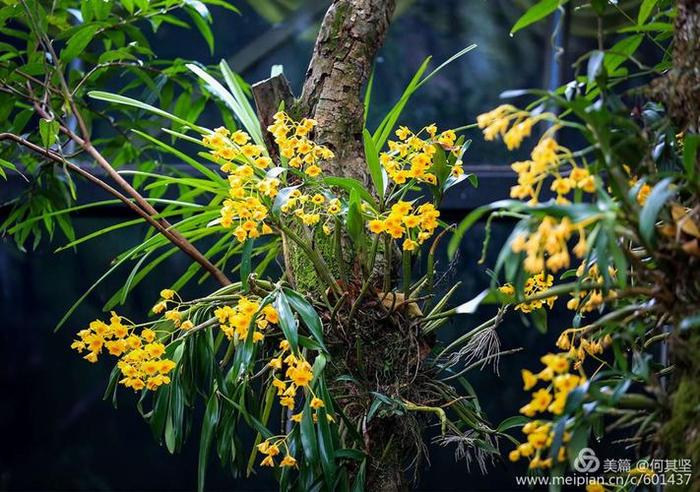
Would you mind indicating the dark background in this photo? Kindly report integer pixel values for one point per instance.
(56, 432)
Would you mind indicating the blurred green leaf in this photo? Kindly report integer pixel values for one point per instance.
(537, 12)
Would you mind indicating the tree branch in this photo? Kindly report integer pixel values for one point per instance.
(167, 231)
(351, 34)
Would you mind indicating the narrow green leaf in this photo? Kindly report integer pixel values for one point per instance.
(537, 12)
(354, 219)
(287, 323)
(203, 27)
(209, 422)
(78, 42)
(385, 128)
(246, 256)
(645, 10)
(308, 315)
(127, 101)
(511, 422)
(350, 184)
(652, 207)
(246, 113)
(691, 142)
(309, 441)
(186, 158)
(375, 168)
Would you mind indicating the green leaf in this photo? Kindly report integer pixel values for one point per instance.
(242, 113)
(7, 165)
(48, 130)
(351, 184)
(375, 169)
(595, 65)
(214, 176)
(537, 12)
(359, 483)
(287, 323)
(127, 101)
(326, 447)
(355, 223)
(209, 422)
(78, 42)
(116, 265)
(202, 26)
(621, 51)
(651, 27)
(645, 10)
(539, 318)
(470, 219)
(511, 422)
(130, 279)
(246, 257)
(309, 441)
(243, 110)
(308, 315)
(691, 142)
(381, 134)
(652, 207)
(454, 57)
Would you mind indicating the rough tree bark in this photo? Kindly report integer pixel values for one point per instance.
(351, 34)
(681, 87)
(679, 90)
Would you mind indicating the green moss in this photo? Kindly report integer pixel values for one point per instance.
(337, 24)
(305, 276)
(681, 432)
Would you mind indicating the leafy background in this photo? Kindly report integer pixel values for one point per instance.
(57, 432)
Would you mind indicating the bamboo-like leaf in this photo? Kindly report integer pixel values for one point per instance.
(128, 101)
(209, 422)
(286, 321)
(386, 126)
(245, 263)
(308, 315)
(307, 431)
(185, 158)
(375, 168)
(537, 12)
(350, 184)
(253, 128)
(354, 220)
(645, 10)
(655, 201)
(247, 116)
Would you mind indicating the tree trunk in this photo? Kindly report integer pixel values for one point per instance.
(680, 92)
(351, 34)
(680, 88)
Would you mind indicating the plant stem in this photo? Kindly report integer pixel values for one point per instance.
(412, 407)
(406, 261)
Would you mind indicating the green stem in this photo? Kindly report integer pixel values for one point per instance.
(412, 407)
(406, 273)
(370, 274)
(388, 250)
